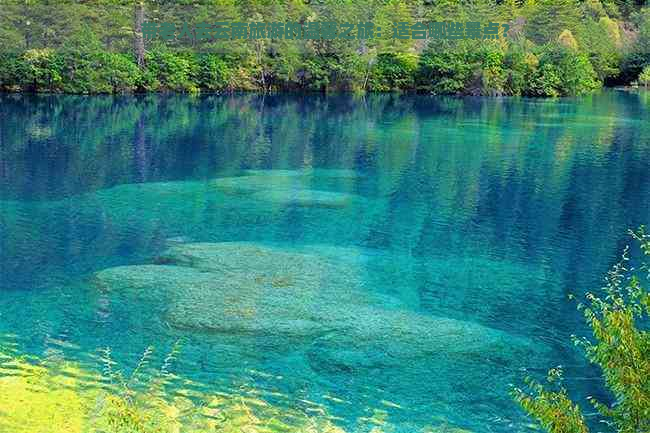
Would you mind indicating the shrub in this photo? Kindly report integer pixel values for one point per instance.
(554, 410)
(214, 72)
(316, 74)
(394, 71)
(563, 72)
(547, 81)
(644, 77)
(118, 72)
(493, 76)
(578, 75)
(520, 67)
(11, 71)
(445, 71)
(43, 70)
(173, 71)
(620, 347)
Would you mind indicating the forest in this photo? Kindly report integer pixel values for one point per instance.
(552, 48)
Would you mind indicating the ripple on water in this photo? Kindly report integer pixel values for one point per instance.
(313, 309)
(474, 215)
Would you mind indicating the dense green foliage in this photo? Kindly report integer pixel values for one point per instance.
(644, 78)
(620, 348)
(553, 48)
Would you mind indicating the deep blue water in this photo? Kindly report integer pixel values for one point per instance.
(344, 232)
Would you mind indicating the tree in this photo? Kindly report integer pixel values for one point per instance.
(602, 41)
(138, 39)
(550, 17)
(567, 40)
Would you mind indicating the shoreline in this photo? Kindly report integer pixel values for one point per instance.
(239, 92)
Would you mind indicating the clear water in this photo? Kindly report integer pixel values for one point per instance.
(412, 210)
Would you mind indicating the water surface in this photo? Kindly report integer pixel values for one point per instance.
(391, 261)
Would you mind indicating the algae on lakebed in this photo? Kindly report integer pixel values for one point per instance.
(62, 397)
(56, 396)
(34, 399)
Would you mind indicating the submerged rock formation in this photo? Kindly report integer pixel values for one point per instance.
(289, 187)
(251, 289)
(245, 288)
(306, 198)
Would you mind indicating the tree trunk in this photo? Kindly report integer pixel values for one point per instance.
(138, 40)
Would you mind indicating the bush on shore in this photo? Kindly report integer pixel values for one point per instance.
(619, 347)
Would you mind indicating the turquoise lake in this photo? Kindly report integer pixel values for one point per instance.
(394, 262)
